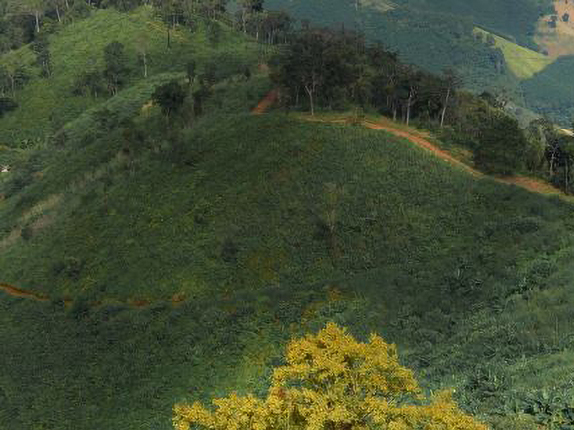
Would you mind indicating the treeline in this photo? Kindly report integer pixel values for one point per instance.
(333, 69)
(338, 70)
(23, 21)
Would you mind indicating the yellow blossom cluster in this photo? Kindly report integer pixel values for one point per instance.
(333, 382)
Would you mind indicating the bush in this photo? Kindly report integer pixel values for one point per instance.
(502, 145)
(7, 105)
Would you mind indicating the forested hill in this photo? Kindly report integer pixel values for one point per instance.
(441, 34)
(515, 19)
(434, 40)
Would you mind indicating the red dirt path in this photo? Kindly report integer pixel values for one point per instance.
(17, 292)
(27, 294)
(266, 103)
(423, 143)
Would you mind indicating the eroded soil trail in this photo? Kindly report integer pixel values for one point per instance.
(423, 143)
(533, 185)
(23, 294)
(266, 102)
(20, 293)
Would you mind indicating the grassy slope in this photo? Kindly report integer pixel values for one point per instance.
(196, 213)
(424, 254)
(523, 62)
(46, 104)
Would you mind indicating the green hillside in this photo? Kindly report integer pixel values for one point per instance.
(516, 19)
(252, 251)
(46, 104)
(523, 62)
(181, 241)
(551, 92)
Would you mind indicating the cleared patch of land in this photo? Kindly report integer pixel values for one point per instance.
(557, 41)
(380, 5)
(522, 62)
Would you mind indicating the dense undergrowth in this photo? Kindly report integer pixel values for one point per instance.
(335, 223)
(268, 227)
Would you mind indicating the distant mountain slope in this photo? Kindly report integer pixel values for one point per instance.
(514, 18)
(440, 34)
(555, 32)
(433, 40)
(551, 92)
(522, 62)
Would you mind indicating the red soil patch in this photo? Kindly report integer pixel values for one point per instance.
(17, 292)
(557, 41)
(26, 294)
(139, 303)
(266, 103)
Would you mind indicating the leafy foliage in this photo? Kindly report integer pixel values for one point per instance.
(169, 97)
(332, 381)
(502, 146)
(105, 208)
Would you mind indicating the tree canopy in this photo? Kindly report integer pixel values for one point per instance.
(331, 381)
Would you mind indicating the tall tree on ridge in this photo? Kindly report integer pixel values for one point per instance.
(34, 8)
(452, 82)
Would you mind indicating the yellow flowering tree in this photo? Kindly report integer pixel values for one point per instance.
(333, 382)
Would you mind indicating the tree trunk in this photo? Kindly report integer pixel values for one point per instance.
(58, 13)
(311, 101)
(443, 113)
(552, 160)
(567, 175)
(297, 91)
(37, 16)
(145, 63)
